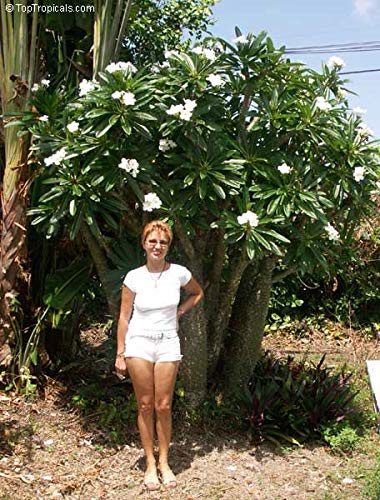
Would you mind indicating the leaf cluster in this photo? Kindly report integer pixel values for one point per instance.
(292, 400)
(260, 115)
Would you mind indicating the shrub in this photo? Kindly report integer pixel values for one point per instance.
(341, 436)
(372, 484)
(293, 400)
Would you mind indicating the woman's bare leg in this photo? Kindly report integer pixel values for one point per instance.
(164, 379)
(141, 372)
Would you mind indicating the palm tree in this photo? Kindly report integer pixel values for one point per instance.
(18, 55)
(17, 64)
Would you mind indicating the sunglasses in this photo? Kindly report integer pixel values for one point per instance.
(153, 243)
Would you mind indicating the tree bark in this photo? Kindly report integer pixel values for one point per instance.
(219, 317)
(101, 266)
(193, 372)
(243, 346)
(193, 326)
(13, 278)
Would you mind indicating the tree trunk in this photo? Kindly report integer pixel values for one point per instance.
(193, 326)
(17, 64)
(193, 371)
(243, 346)
(11, 253)
(219, 317)
(100, 261)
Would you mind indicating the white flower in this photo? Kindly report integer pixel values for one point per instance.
(322, 104)
(175, 109)
(209, 54)
(363, 130)
(359, 173)
(190, 105)
(232, 468)
(56, 158)
(151, 202)
(336, 62)
(215, 80)
(205, 52)
(284, 168)
(43, 118)
(85, 86)
(128, 98)
(45, 82)
(120, 66)
(198, 50)
(170, 53)
(166, 145)
(73, 127)
(35, 87)
(240, 39)
(331, 232)
(183, 110)
(248, 217)
(185, 114)
(130, 165)
(48, 442)
(359, 111)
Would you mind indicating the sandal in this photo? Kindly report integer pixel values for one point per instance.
(168, 478)
(151, 481)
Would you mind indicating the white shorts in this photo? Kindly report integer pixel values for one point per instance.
(154, 347)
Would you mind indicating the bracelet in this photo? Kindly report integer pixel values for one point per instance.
(120, 355)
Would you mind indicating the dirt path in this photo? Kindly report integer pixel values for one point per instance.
(51, 451)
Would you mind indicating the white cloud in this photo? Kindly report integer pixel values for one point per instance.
(364, 7)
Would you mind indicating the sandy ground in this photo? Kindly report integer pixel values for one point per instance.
(50, 450)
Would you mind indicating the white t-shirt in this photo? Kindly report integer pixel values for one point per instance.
(156, 299)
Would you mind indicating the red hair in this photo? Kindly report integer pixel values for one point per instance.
(156, 225)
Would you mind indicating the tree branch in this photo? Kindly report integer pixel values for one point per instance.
(283, 274)
(185, 240)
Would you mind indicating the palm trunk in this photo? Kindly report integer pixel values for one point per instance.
(17, 60)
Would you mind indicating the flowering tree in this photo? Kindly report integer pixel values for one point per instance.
(61, 42)
(257, 162)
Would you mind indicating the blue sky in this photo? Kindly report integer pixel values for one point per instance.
(297, 23)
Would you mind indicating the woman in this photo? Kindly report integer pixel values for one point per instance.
(148, 344)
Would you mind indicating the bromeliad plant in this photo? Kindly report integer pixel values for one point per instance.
(295, 400)
(257, 161)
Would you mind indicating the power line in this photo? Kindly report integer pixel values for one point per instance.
(371, 46)
(359, 71)
(337, 47)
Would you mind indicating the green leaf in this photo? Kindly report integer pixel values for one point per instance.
(65, 284)
(103, 128)
(72, 207)
(219, 191)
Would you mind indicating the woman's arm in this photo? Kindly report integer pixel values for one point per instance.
(195, 295)
(127, 298)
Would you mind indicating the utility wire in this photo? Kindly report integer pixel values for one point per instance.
(359, 71)
(337, 47)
